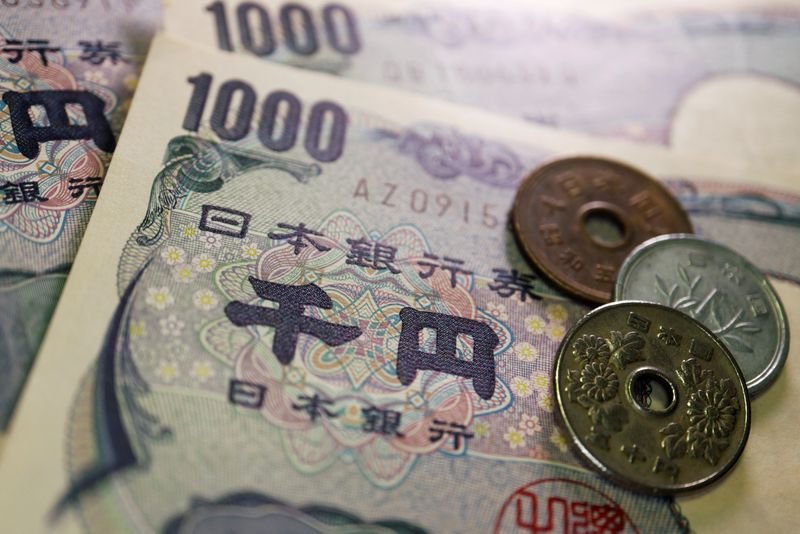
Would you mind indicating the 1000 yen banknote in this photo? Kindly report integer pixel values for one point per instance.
(716, 81)
(607, 68)
(317, 319)
(67, 75)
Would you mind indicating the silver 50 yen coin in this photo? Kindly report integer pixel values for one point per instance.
(651, 398)
(719, 288)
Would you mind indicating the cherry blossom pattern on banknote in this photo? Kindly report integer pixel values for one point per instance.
(528, 428)
(360, 375)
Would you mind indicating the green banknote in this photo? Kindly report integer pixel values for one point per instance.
(67, 74)
(316, 320)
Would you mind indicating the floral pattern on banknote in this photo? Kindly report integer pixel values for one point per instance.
(362, 373)
(46, 197)
(193, 346)
(197, 255)
(203, 350)
(528, 428)
(48, 176)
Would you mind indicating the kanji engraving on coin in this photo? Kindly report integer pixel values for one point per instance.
(578, 218)
(644, 411)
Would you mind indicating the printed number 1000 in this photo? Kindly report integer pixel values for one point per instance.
(278, 124)
(296, 24)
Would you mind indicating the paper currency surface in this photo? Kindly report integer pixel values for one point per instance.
(82, 58)
(715, 81)
(290, 251)
(606, 68)
(740, 52)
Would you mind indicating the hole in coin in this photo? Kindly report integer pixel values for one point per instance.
(604, 227)
(652, 391)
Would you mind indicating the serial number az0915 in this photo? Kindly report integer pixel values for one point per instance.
(422, 201)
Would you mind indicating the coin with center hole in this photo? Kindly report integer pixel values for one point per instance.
(651, 398)
(719, 288)
(578, 218)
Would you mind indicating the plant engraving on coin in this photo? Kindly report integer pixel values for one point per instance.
(590, 347)
(626, 348)
(596, 382)
(599, 382)
(712, 309)
(719, 288)
(692, 373)
(711, 409)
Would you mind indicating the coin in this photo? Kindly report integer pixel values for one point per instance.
(578, 218)
(719, 288)
(651, 398)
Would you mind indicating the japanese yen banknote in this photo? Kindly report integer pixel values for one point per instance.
(608, 68)
(67, 73)
(537, 62)
(716, 80)
(316, 320)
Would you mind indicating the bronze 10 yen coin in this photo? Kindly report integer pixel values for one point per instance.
(578, 218)
(651, 398)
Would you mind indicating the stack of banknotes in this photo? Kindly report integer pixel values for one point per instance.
(232, 233)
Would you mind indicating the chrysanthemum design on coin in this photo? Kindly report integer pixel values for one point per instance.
(651, 398)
